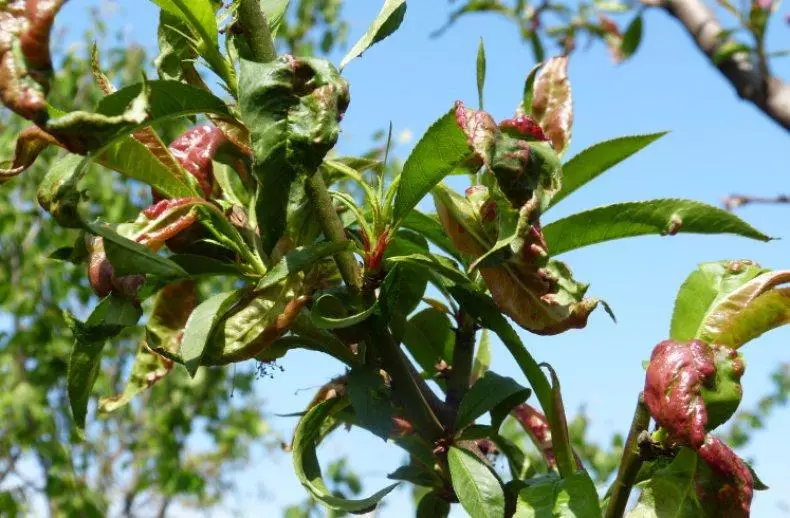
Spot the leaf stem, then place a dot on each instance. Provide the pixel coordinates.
(256, 31)
(332, 227)
(629, 464)
(463, 357)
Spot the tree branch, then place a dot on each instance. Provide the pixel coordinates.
(770, 94)
(735, 201)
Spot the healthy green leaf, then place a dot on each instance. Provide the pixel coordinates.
(306, 438)
(443, 148)
(529, 89)
(200, 325)
(370, 400)
(663, 217)
(275, 11)
(430, 338)
(433, 506)
(481, 72)
(401, 292)
(387, 21)
(632, 37)
(196, 265)
(596, 159)
(445, 268)
(728, 49)
(430, 227)
(490, 391)
(550, 496)
(482, 357)
(300, 260)
(329, 313)
(478, 489)
(128, 257)
(670, 491)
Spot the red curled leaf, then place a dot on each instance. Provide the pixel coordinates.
(552, 104)
(30, 143)
(537, 426)
(673, 388)
(525, 126)
(24, 82)
(733, 496)
(194, 150)
(101, 276)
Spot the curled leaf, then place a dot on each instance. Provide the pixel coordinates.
(293, 107)
(30, 143)
(194, 150)
(58, 193)
(552, 104)
(24, 74)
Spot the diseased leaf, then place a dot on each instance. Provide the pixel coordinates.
(58, 193)
(370, 400)
(306, 438)
(443, 148)
(766, 312)
(128, 257)
(387, 21)
(599, 158)
(30, 143)
(663, 217)
(552, 105)
(292, 107)
(670, 491)
(476, 486)
(201, 323)
(486, 395)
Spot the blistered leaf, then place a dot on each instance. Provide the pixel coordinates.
(293, 107)
(537, 427)
(662, 217)
(172, 308)
(25, 62)
(130, 257)
(599, 158)
(552, 105)
(442, 149)
(570, 497)
(491, 393)
(476, 486)
(306, 439)
(766, 312)
(387, 21)
(176, 59)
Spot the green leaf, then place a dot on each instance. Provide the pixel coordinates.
(387, 21)
(133, 159)
(482, 357)
(128, 257)
(306, 439)
(632, 37)
(199, 16)
(113, 116)
(728, 49)
(703, 289)
(58, 193)
(671, 491)
(664, 216)
(478, 489)
(481, 72)
(429, 227)
(301, 259)
(430, 338)
(730, 303)
(200, 325)
(444, 267)
(443, 148)
(177, 56)
(549, 496)
(275, 11)
(401, 292)
(490, 391)
(329, 313)
(529, 89)
(431, 505)
(370, 400)
(107, 320)
(196, 265)
(598, 158)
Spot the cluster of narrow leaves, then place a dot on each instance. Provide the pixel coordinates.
(243, 196)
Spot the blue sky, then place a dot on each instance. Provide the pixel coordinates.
(718, 145)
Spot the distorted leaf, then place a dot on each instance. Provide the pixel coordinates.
(552, 104)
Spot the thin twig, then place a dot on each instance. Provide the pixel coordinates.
(734, 201)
